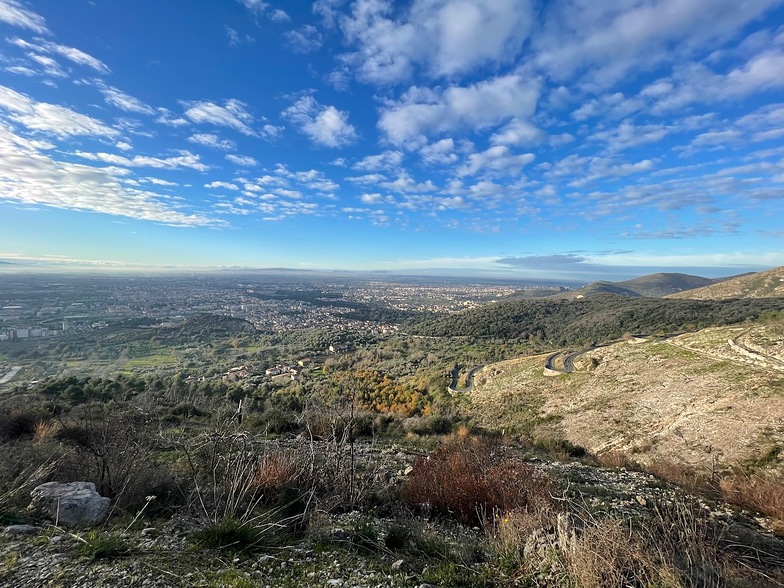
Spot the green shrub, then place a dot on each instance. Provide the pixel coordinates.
(101, 545)
(233, 536)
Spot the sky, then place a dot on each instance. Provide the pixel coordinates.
(579, 139)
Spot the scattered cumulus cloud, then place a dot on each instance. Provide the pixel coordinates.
(442, 37)
(50, 118)
(305, 39)
(183, 160)
(422, 113)
(123, 101)
(242, 160)
(232, 114)
(212, 140)
(324, 125)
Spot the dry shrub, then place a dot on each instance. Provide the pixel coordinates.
(614, 459)
(759, 492)
(509, 532)
(468, 477)
(685, 476)
(676, 545)
(608, 553)
(45, 431)
(278, 469)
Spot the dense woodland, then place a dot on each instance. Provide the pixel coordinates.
(593, 320)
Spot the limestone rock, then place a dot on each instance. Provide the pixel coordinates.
(71, 504)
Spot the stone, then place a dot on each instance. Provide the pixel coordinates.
(70, 504)
(21, 530)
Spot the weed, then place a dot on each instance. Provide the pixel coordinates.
(451, 574)
(233, 578)
(397, 537)
(233, 536)
(101, 545)
(9, 563)
(365, 536)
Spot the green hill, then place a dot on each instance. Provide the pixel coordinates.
(592, 320)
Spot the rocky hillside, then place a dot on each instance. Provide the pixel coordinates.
(706, 398)
(767, 284)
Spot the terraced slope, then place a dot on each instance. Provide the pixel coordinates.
(694, 398)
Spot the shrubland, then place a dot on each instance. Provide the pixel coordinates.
(367, 463)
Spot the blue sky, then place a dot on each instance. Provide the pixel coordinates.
(566, 139)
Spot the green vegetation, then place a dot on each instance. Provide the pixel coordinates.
(592, 320)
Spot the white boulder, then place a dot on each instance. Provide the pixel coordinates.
(71, 504)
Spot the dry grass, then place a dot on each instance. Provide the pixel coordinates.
(470, 477)
(45, 431)
(609, 553)
(278, 469)
(763, 493)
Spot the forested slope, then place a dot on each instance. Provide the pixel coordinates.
(592, 320)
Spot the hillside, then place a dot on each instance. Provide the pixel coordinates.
(767, 284)
(662, 284)
(650, 285)
(695, 398)
(591, 320)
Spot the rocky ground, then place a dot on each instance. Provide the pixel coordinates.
(353, 549)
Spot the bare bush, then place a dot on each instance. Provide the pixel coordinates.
(470, 477)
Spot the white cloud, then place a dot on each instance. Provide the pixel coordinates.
(236, 39)
(123, 101)
(160, 182)
(31, 178)
(51, 67)
(279, 15)
(628, 135)
(518, 132)
(695, 83)
(497, 160)
(271, 132)
(256, 6)
(311, 179)
(212, 140)
(232, 114)
(168, 118)
(325, 125)
(50, 118)
(77, 56)
(386, 160)
(305, 39)
(444, 37)
(604, 41)
(439, 153)
(224, 185)
(242, 160)
(422, 113)
(14, 13)
(185, 159)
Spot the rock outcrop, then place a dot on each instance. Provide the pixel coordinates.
(71, 505)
